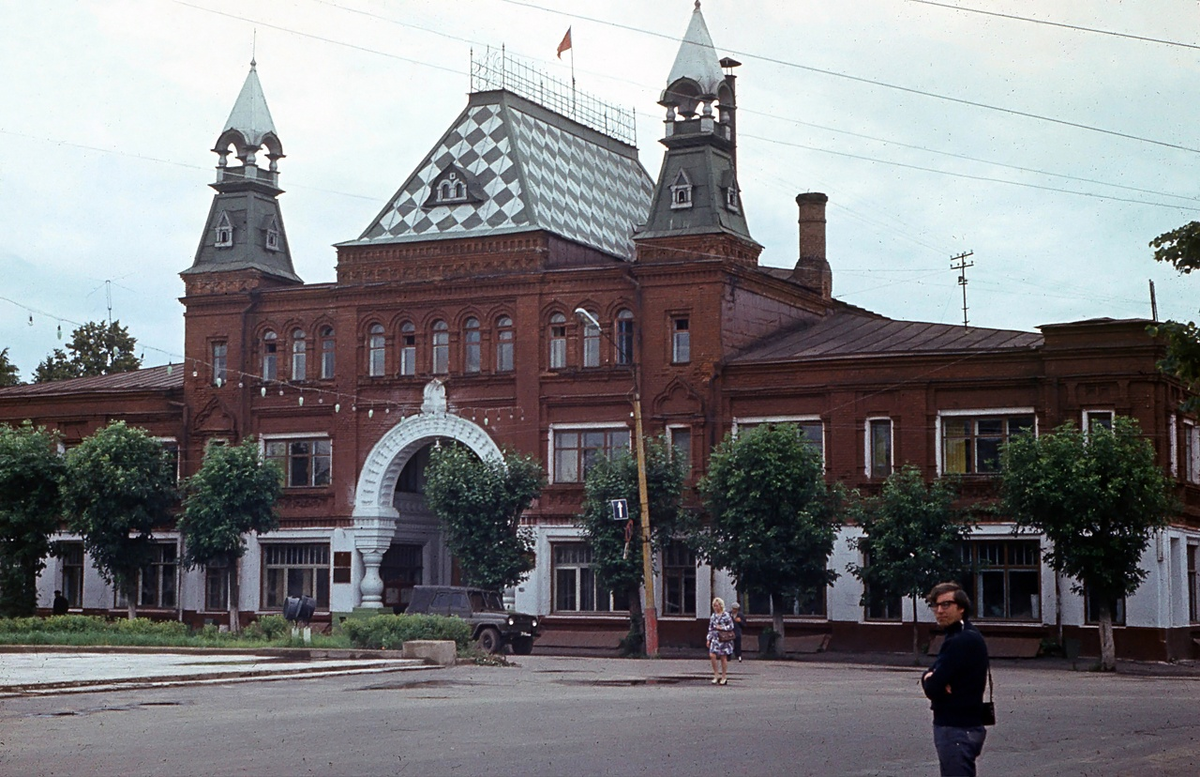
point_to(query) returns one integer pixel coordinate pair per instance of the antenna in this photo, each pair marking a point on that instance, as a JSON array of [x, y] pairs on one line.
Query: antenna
[[1153, 303], [962, 266], [108, 298]]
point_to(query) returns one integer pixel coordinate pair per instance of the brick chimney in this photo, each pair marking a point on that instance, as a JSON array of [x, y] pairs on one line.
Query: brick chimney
[[812, 268]]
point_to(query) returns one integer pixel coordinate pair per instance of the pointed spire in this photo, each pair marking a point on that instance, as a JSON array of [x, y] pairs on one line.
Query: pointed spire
[[250, 115], [696, 61]]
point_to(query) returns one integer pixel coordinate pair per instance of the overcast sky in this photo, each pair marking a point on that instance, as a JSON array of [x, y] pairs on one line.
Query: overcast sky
[[110, 109]]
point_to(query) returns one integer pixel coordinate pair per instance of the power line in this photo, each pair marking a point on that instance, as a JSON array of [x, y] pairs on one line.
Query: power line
[[1063, 25]]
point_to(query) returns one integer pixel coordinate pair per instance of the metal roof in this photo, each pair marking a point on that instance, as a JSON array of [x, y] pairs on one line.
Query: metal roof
[[847, 332], [537, 170], [250, 115], [697, 58], [162, 378]]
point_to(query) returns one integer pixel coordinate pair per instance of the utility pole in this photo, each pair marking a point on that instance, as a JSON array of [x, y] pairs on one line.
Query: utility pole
[[962, 266]]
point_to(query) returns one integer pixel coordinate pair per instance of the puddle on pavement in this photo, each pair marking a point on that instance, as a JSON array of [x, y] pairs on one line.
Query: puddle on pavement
[[419, 685], [107, 708], [635, 681]]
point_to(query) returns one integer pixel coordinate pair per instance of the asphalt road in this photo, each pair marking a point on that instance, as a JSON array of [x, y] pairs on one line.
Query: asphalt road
[[584, 716]]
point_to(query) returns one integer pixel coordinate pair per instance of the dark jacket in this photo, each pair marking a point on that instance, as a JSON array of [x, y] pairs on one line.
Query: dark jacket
[[962, 664]]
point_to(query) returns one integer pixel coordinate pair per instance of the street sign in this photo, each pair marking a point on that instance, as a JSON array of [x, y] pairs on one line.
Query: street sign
[[620, 508]]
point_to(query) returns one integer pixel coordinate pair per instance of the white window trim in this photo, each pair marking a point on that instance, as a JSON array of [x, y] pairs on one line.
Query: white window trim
[[1173, 438], [571, 427], [671, 429], [1191, 439], [867, 443], [1085, 417], [178, 455], [986, 411], [786, 419]]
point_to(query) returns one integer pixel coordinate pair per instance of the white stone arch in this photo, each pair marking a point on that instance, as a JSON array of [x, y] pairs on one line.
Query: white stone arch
[[375, 514]]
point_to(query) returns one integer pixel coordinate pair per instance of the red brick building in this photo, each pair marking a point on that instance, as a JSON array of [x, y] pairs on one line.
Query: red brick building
[[453, 316]]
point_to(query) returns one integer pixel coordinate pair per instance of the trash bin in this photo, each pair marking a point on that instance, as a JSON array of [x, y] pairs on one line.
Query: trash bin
[[299, 609]]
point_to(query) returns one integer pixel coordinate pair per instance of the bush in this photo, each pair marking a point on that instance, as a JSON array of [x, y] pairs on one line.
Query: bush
[[269, 628], [389, 632]]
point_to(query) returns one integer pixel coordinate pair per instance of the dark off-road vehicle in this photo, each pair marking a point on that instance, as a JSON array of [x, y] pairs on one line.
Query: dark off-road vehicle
[[492, 627]]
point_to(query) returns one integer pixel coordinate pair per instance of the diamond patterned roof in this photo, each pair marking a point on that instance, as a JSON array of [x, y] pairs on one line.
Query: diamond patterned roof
[[538, 170]]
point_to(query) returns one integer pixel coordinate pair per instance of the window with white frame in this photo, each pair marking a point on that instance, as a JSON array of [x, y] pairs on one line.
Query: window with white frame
[[971, 443], [879, 447], [273, 235], [224, 232], [1003, 578], [576, 587], [299, 355], [295, 569], [625, 337], [1097, 419], [408, 348], [679, 579], [472, 346], [811, 429], [681, 340], [306, 463], [505, 336], [441, 348], [157, 581], [806, 604], [220, 362], [327, 353], [576, 450], [681, 191], [591, 343], [376, 351], [270, 355], [681, 446]]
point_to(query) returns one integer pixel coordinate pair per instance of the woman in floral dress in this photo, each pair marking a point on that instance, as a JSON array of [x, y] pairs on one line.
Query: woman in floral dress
[[718, 651]]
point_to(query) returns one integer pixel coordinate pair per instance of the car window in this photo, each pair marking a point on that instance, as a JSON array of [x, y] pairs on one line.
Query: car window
[[493, 601], [441, 603], [458, 602], [477, 604]]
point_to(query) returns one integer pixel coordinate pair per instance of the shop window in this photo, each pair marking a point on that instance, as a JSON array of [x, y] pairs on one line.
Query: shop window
[[1092, 608], [157, 581], [327, 353], [376, 351], [971, 444], [504, 344], [305, 463], [441, 348], [576, 587], [295, 569], [472, 346], [299, 355], [558, 341], [408, 348], [577, 450], [679, 579], [1003, 578], [806, 604]]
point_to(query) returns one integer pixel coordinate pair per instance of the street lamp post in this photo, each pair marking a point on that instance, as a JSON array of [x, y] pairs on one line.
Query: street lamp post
[[650, 612]]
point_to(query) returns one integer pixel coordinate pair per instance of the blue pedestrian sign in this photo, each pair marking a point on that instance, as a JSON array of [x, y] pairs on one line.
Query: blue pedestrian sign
[[620, 508]]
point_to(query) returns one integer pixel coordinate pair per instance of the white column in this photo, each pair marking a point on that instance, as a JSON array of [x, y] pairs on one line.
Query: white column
[[372, 538]]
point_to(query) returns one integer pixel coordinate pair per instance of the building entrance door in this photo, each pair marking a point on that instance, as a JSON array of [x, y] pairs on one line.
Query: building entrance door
[[401, 569]]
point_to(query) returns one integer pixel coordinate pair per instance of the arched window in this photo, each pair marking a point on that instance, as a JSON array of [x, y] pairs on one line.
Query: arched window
[[224, 237], [299, 355], [327, 362], [504, 344], [441, 348], [591, 344], [558, 341], [471, 345], [408, 349], [681, 191], [270, 356], [376, 352], [625, 337]]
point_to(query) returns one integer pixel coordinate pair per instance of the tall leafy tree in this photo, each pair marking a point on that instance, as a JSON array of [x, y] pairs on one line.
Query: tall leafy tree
[[911, 540], [773, 519], [96, 348], [1180, 248], [9, 374], [617, 545], [480, 503], [1098, 497], [118, 486], [233, 493], [30, 473]]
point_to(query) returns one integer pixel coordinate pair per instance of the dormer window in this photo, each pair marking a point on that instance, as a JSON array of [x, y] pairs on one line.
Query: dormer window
[[272, 235], [731, 198], [451, 189], [453, 186], [681, 191], [224, 231]]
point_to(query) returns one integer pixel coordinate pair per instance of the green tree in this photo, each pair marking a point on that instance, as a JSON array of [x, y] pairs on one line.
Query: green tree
[[119, 485], [773, 519], [480, 503], [9, 374], [617, 545], [233, 493], [1180, 248], [911, 540], [30, 473], [97, 348], [1098, 497]]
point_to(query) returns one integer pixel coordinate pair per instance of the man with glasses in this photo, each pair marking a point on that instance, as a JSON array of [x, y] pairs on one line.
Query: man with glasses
[[955, 683]]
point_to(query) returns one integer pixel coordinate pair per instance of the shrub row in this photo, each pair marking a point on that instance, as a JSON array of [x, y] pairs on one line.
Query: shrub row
[[387, 632]]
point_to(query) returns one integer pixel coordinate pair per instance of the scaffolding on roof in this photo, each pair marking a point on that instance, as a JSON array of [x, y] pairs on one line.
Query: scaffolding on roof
[[496, 69]]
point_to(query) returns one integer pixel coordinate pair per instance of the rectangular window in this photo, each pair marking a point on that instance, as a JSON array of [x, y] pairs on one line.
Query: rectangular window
[[879, 607], [808, 604], [1097, 419], [576, 588], [681, 446], [1003, 578], [679, 579], [681, 341], [971, 444], [575, 451], [72, 572], [157, 581], [504, 351], [300, 569], [591, 345], [408, 354], [327, 353], [558, 346], [1092, 609], [220, 363], [216, 588], [812, 432], [1191, 453], [299, 357], [879, 447], [305, 463], [1193, 583]]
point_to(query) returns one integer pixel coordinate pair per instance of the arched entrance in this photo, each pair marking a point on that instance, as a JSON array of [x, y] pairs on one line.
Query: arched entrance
[[384, 515]]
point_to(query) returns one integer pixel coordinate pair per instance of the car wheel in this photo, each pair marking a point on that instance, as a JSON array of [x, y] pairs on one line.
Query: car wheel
[[489, 640], [522, 646]]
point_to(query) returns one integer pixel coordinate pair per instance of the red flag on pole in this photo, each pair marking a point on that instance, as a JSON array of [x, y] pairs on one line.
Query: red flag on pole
[[566, 43]]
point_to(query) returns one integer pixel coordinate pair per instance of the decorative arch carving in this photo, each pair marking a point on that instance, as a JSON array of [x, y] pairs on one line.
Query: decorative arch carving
[[678, 399]]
